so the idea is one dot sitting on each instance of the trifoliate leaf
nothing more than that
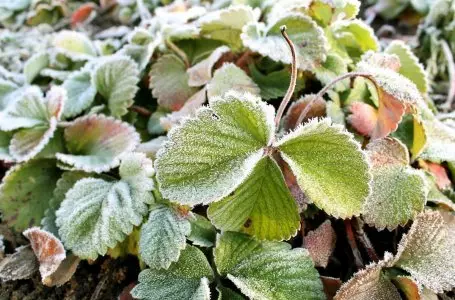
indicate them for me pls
(329, 165)
(440, 144)
(22, 264)
(321, 243)
(331, 68)
(25, 192)
(97, 214)
(410, 68)
(81, 92)
(190, 167)
(261, 206)
(96, 142)
(186, 279)
(116, 78)
(230, 77)
(169, 82)
(75, 45)
(370, 283)
(352, 38)
(64, 184)
(226, 24)
(201, 73)
(34, 65)
(275, 84)
(267, 270)
(426, 251)
(163, 236)
(308, 37)
(203, 233)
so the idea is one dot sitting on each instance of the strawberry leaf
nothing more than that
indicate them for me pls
(97, 214)
(191, 169)
(201, 73)
(186, 279)
(261, 206)
(329, 165)
(267, 270)
(34, 65)
(75, 45)
(81, 92)
(203, 233)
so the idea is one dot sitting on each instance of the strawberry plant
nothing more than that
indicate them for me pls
(236, 149)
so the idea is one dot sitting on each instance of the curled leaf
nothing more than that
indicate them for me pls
(201, 73)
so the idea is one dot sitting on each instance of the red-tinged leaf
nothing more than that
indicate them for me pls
(321, 243)
(82, 13)
(439, 173)
(363, 118)
(317, 110)
(126, 293)
(331, 286)
(47, 248)
(390, 113)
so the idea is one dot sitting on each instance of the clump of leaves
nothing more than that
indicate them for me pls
(200, 142)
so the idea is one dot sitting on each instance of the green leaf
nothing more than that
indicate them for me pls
(231, 78)
(5, 138)
(410, 68)
(75, 45)
(192, 169)
(97, 214)
(440, 144)
(426, 251)
(116, 78)
(225, 293)
(7, 93)
(267, 270)
(203, 233)
(25, 192)
(275, 84)
(64, 184)
(261, 206)
(169, 82)
(187, 279)
(331, 68)
(141, 54)
(81, 92)
(329, 165)
(163, 237)
(308, 37)
(226, 24)
(34, 65)
(96, 142)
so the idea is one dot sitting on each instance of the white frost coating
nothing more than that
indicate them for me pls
(311, 43)
(369, 37)
(209, 155)
(312, 150)
(75, 45)
(112, 139)
(80, 90)
(232, 17)
(440, 144)
(201, 73)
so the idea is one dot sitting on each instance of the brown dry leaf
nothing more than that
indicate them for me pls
(387, 151)
(331, 286)
(47, 248)
(22, 264)
(64, 272)
(292, 115)
(321, 243)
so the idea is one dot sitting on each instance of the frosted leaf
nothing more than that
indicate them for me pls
(7, 93)
(163, 237)
(151, 147)
(64, 184)
(81, 92)
(410, 68)
(426, 251)
(230, 77)
(267, 270)
(440, 144)
(329, 165)
(321, 243)
(25, 192)
(308, 37)
(97, 214)
(48, 250)
(436, 196)
(369, 283)
(75, 45)
(186, 279)
(226, 24)
(331, 68)
(201, 73)
(96, 142)
(141, 54)
(382, 60)
(5, 138)
(22, 264)
(399, 193)
(192, 169)
(387, 151)
(439, 173)
(318, 108)
(203, 233)
(64, 272)
(116, 78)
(27, 143)
(169, 82)
(351, 38)
(34, 65)
(188, 110)
(261, 206)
